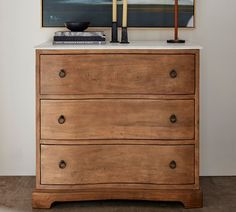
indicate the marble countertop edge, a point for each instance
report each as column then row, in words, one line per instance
column 132, row 45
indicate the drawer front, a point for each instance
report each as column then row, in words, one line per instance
column 117, row 74
column 111, row 164
column 117, row 119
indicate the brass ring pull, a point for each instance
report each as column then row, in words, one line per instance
column 173, row 73
column 173, row 119
column 62, row 164
column 62, row 73
column 172, row 164
column 61, row 119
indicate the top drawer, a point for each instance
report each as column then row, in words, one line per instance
column 117, row 74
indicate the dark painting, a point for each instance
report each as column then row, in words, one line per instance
column 141, row 13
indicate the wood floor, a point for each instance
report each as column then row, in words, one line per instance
column 219, row 196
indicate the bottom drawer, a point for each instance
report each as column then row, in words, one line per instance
column 117, row 164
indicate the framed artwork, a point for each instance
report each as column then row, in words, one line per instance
column 141, row 13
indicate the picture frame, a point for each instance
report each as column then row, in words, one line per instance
column 99, row 12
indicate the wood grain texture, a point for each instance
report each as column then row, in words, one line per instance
column 117, row 186
column 38, row 118
column 117, row 73
column 111, row 164
column 117, row 119
column 45, row 198
column 197, row 118
column 115, row 96
column 124, row 107
column 119, row 141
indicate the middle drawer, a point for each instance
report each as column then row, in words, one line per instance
column 117, row 119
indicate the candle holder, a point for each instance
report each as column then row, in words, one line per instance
column 114, row 33
column 124, row 35
column 176, row 36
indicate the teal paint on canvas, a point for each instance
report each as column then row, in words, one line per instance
column 141, row 13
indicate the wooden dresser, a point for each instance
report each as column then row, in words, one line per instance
column 117, row 122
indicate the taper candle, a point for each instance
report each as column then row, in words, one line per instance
column 125, row 11
column 114, row 10
column 176, row 18
column 176, row 15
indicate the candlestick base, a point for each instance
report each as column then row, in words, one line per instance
column 114, row 33
column 176, row 41
column 124, row 36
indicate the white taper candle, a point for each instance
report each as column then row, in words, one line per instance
column 125, row 13
column 114, row 10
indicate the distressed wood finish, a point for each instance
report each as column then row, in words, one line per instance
column 127, row 105
column 117, row 73
column 115, row 96
column 45, row 198
column 117, row 119
column 119, row 141
column 111, row 164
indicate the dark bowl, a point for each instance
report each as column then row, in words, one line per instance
column 77, row 26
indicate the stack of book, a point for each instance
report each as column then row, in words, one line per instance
column 68, row 37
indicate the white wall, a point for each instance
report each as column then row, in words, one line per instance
column 215, row 31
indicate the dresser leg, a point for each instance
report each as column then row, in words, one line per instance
column 193, row 200
column 41, row 200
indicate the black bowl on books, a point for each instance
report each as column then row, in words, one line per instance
column 77, row 26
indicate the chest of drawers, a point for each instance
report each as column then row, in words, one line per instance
column 117, row 123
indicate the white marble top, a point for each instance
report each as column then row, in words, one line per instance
column 131, row 45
